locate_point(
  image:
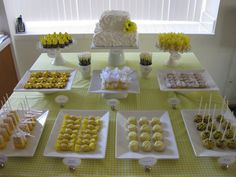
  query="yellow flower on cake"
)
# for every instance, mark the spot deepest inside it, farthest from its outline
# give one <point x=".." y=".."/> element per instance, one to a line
<point x="130" y="26"/>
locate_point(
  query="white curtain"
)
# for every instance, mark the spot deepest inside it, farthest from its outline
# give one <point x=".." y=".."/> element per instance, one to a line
<point x="55" y="10"/>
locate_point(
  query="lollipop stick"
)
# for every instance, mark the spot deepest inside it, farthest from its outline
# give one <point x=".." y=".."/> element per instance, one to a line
<point x="22" y="107"/>
<point x="226" y="105"/>
<point x="8" y="101"/>
<point x="200" y="105"/>
<point x="3" y="108"/>
<point x="25" y="106"/>
<point x="234" y="134"/>
<point x="27" y="103"/>
<point x="220" y="123"/>
<point x="5" y="101"/>
<point x="223" y="137"/>
<point x="204" y="113"/>
<point x="210" y="137"/>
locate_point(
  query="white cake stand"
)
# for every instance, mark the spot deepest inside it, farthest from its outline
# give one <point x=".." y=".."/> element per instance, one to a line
<point x="116" y="54"/>
<point x="55" y="53"/>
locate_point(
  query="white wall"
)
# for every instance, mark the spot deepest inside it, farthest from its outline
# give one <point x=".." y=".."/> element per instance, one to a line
<point x="217" y="53"/>
<point x="3" y="19"/>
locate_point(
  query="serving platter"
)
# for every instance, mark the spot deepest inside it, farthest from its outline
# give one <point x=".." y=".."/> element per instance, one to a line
<point x="194" y="134"/>
<point x="100" y="151"/>
<point x="162" y="80"/>
<point x="29" y="150"/>
<point x="122" y="150"/>
<point x="20" y="86"/>
<point x="96" y="86"/>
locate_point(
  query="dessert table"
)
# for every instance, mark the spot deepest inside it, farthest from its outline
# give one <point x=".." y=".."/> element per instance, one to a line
<point x="149" y="98"/>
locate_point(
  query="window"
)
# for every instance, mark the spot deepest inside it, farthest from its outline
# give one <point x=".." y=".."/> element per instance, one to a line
<point x="152" y="16"/>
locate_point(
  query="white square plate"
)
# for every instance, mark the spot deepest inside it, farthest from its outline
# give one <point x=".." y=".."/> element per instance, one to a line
<point x="32" y="144"/>
<point x="20" y="86"/>
<point x="194" y="135"/>
<point x="95" y="85"/>
<point x="100" y="152"/>
<point x="162" y="74"/>
<point x="122" y="150"/>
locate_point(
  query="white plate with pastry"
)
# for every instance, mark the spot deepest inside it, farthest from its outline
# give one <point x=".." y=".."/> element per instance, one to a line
<point x="32" y="141"/>
<point x="98" y="153"/>
<point x="185" y="80"/>
<point x="124" y="146"/>
<point x="96" y="84"/>
<point x="195" y="135"/>
<point x="21" y="86"/>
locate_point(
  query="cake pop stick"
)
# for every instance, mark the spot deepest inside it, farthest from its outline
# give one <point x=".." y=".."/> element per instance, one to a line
<point x="3" y="107"/>
<point x="212" y="125"/>
<point x="222" y="106"/>
<point x="204" y="113"/>
<point x="200" y="105"/>
<point x="210" y="137"/>
<point x="219" y="127"/>
<point x="22" y="107"/>
<point x="234" y="137"/>
<point x="25" y="106"/>
<point x="27" y="103"/>
<point x="8" y="102"/>
<point x="5" y="101"/>
<point x="226" y="105"/>
<point x="223" y="137"/>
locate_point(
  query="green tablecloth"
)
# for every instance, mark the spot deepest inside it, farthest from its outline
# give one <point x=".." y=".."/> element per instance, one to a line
<point x="150" y="98"/>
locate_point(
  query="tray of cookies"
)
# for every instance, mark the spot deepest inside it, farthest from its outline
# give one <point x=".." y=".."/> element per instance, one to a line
<point x="79" y="133"/>
<point x="185" y="80"/>
<point x="46" y="81"/>
<point x="141" y="134"/>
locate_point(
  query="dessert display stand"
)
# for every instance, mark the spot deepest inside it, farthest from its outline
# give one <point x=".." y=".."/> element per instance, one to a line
<point x="55" y="53"/>
<point x="116" y="54"/>
<point x="116" y="58"/>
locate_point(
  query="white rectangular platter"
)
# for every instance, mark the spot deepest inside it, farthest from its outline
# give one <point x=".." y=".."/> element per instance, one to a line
<point x="20" y="86"/>
<point x="95" y="85"/>
<point x="122" y="150"/>
<point x="100" y="152"/>
<point x="161" y="76"/>
<point x="194" y="135"/>
<point x="33" y="141"/>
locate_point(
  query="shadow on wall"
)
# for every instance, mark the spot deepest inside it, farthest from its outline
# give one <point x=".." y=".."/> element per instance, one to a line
<point x="228" y="37"/>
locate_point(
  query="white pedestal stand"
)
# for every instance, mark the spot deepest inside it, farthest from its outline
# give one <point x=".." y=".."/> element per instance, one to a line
<point x="174" y="56"/>
<point x="116" y="58"/>
<point x="116" y="54"/>
<point x="56" y="55"/>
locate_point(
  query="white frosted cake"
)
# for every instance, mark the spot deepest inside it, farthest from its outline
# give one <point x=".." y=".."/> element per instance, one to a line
<point x="116" y="79"/>
<point x="115" y="30"/>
